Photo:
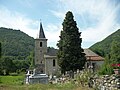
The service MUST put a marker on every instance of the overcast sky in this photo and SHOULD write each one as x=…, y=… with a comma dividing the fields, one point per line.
x=96, y=19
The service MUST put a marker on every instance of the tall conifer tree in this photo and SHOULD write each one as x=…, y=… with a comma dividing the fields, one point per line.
x=70, y=54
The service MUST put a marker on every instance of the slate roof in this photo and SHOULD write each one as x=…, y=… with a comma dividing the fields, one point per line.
x=90, y=55
x=51, y=51
x=41, y=32
x=88, y=52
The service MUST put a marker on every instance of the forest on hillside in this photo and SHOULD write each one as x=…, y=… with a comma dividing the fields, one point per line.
x=104, y=47
x=15, y=43
x=109, y=48
x=16, y=51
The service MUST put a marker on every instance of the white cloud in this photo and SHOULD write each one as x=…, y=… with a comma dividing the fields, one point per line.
x=60, y=15
x=52, y=33
x=103, y=13
x=16, y=20
x=107, y=25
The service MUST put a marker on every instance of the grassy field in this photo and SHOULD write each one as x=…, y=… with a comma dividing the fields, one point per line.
x=41, y=87
x=12, y=80
x=16, y=83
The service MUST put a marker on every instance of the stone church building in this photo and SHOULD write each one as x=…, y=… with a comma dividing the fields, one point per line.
x=46, y=59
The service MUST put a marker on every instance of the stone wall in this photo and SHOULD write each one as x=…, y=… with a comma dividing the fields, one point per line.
x=106, y=82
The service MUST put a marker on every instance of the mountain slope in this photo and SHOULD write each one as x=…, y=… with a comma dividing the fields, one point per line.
x=102, y=48
x=15, y=43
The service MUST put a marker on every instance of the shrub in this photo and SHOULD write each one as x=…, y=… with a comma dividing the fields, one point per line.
x=83, y=77
x=106, y=69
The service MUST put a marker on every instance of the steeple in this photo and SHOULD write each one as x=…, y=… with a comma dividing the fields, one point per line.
x=41, y=32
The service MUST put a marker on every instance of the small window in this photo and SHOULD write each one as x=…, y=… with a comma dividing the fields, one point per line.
x=53, y=63
x=40, y=44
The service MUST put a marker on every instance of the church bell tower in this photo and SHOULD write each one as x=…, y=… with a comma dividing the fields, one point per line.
x=40, y=50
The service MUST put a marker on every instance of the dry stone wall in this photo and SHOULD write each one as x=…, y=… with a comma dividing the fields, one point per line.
x=106, y=82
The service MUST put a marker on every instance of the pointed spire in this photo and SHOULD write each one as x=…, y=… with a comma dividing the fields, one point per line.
x=41, y=32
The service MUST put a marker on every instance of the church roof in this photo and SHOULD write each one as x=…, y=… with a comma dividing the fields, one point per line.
x=41, y=32
x=90, y=55
x=51, y=51
x=88, y=52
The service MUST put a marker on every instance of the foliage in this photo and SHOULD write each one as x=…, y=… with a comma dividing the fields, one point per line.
x=15, y=43
x=70, y=54
x=106, y=70
x=104, y=47
x=115, y=52
x=21, y=64
x=7, y=65
x=30, y=59
x=84, y=77
x=112, y=60
x=11, y=80
x=17, y=49
x=106, y=67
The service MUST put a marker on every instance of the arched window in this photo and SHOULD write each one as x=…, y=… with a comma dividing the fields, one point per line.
x=53, y=62
x=40, y=44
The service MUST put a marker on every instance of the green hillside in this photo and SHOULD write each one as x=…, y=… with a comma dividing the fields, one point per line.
x=15, y=43
x=102, y=48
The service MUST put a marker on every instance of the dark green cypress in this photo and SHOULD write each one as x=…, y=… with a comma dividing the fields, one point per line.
x=70, y=54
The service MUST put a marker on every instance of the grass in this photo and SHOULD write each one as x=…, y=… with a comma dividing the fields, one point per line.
x=16, y=83
x=43, y=87
x=11, y=80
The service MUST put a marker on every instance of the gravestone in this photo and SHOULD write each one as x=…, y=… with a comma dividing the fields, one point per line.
x=71, y=73
x=36, y=77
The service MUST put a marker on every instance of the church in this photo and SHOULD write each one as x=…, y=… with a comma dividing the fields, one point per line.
x=46, y=58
